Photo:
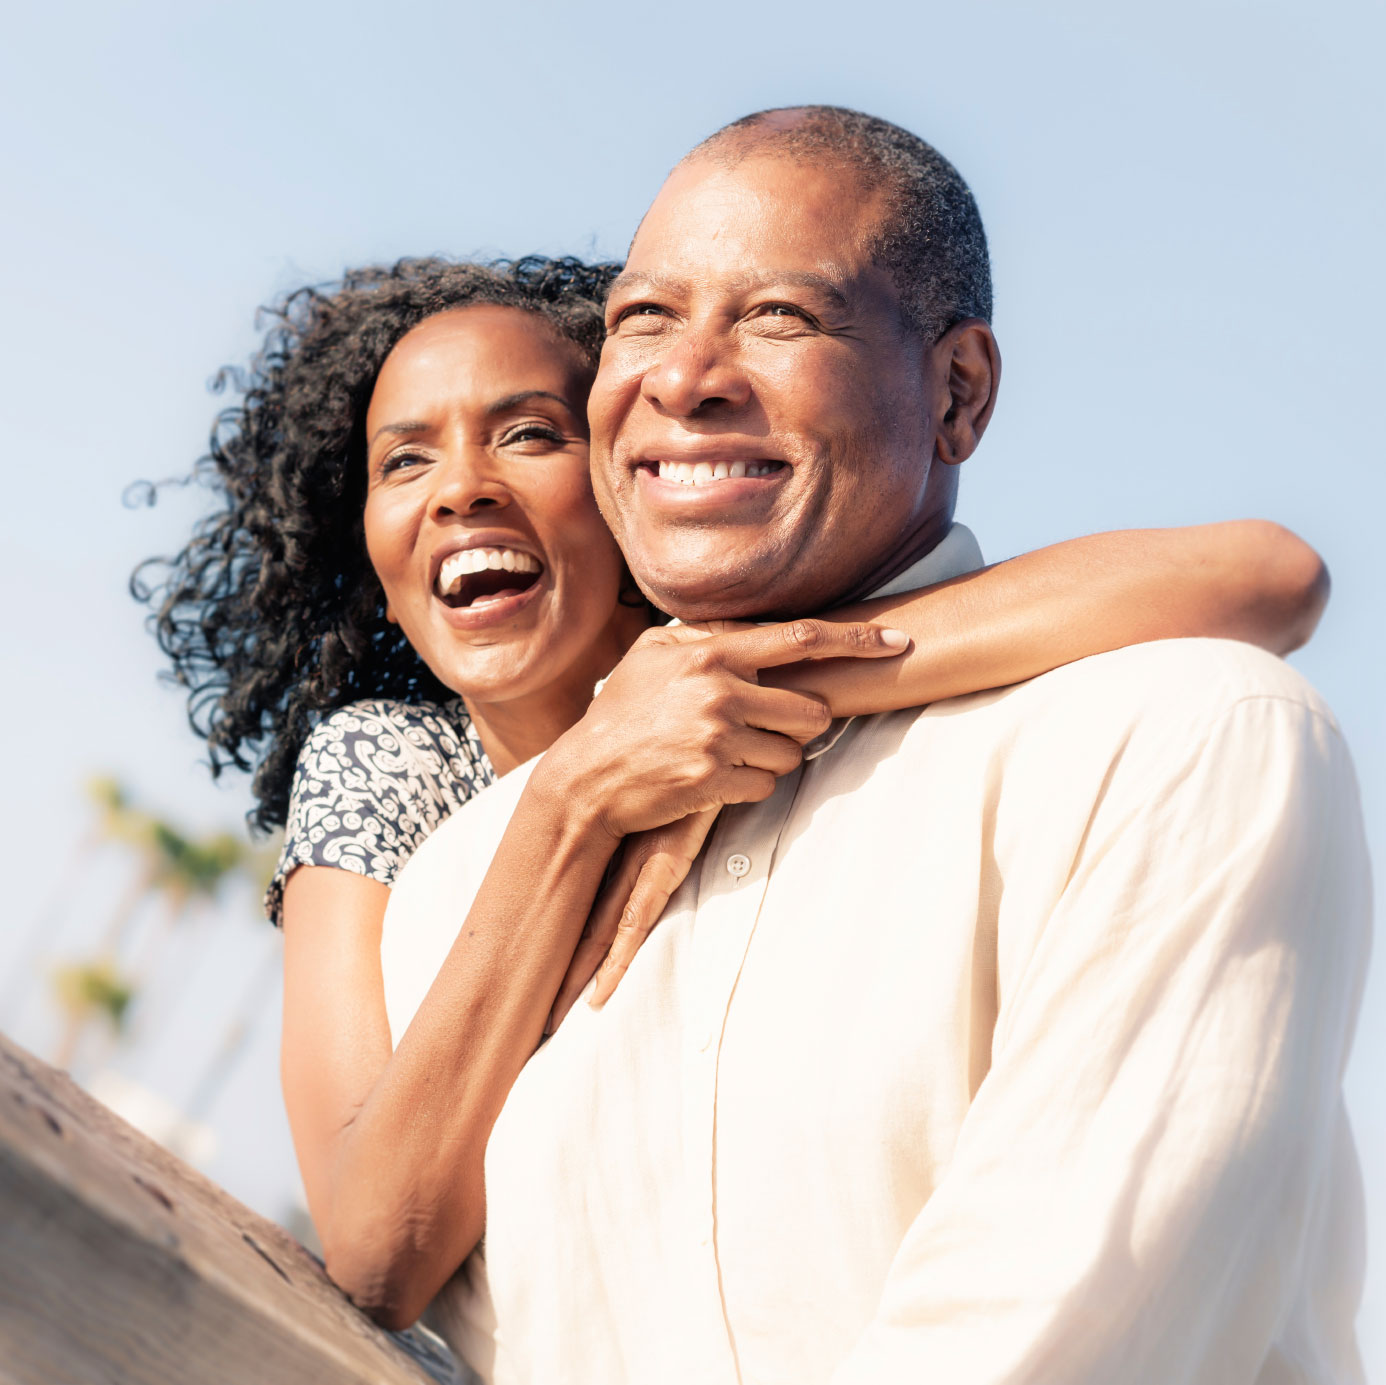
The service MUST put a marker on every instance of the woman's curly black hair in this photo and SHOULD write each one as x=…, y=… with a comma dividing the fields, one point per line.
x=272, y=614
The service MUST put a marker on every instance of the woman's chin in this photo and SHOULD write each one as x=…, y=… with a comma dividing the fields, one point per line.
x=503, y=671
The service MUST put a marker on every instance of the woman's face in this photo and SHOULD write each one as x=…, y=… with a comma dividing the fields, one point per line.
x=479, y=515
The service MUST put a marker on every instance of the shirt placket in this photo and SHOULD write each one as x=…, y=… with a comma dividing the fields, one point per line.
x=734, y=875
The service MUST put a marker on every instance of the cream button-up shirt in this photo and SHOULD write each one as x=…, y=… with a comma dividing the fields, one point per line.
x=1003, y=1043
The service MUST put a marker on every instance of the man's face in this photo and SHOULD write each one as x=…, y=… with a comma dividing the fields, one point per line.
x=762, y=421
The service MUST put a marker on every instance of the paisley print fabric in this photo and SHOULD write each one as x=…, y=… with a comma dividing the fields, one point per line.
x=372, y=781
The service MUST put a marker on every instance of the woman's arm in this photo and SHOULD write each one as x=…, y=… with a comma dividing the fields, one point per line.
x=1245, y=580
x=391, y=1145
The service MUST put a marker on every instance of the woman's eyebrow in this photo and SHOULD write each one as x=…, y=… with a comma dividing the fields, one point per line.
x=499, y=406
x=512, y=401
x=398, y=429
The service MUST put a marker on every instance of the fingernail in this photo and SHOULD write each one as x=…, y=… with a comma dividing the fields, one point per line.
x=894, y=639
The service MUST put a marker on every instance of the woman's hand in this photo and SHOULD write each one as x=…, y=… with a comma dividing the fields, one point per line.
x=651, y=867
x=683, y=724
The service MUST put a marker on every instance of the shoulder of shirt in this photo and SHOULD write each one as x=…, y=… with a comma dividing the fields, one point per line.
x=372, y=715
x=1185, y=680
x=1166, y=689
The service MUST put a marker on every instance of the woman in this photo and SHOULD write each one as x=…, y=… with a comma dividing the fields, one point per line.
x=409, y=591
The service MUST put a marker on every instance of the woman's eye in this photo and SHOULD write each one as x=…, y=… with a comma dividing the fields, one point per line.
x=398, y=460
x=533, y=432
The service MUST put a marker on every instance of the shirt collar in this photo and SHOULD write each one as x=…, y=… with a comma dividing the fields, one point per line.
x=955, y=554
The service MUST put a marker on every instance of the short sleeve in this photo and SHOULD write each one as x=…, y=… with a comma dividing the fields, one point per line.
x=372, y=781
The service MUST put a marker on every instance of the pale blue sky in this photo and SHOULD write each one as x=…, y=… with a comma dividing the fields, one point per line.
x=1186, y=212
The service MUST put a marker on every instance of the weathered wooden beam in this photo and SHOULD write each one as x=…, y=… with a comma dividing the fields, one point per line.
x=120, y=1265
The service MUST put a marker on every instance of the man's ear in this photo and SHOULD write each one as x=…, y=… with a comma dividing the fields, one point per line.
x=968, y=363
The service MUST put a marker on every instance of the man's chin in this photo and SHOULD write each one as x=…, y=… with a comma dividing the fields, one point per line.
x=724, y=586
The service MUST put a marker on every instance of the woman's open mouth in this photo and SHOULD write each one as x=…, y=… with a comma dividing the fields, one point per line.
x=476, y=578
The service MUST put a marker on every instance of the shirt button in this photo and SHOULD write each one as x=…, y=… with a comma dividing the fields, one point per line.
x=738, y=864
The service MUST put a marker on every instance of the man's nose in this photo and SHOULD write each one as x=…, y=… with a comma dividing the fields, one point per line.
x=467, y=484
x=698, y=374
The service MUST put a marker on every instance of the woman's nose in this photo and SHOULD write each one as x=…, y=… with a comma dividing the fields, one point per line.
x=468, y=484
x=698, y=374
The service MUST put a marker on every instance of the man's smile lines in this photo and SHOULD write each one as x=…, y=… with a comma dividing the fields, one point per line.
x=704, y=473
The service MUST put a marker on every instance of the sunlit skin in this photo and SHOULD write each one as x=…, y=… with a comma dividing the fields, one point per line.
x=477, y=436
x=751, y=323
x=476, y=432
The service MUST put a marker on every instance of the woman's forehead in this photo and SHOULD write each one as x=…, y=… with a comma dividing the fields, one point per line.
x=475, y=354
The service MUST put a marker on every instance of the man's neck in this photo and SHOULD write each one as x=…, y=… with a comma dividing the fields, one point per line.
x=913, y=545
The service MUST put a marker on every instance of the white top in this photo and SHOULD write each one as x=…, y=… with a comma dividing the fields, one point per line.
x=1003, y=1043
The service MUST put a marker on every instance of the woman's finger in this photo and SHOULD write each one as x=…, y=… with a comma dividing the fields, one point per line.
x=652, y=889
x=800, y=716
x=744, y=784
x=716, y=627
x=764, y=750
x=745, y=652
x=675, y=848
x=597, y=937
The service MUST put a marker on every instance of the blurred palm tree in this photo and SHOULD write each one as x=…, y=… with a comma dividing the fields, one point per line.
x=173, y=868
x=96, y=989
x=108, y=824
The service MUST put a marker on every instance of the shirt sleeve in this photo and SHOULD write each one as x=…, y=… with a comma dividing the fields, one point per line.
x=372, y=781
x=1139, y=1189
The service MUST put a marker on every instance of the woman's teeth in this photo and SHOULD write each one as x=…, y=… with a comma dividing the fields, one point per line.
x=702, y=473
x=458, y=566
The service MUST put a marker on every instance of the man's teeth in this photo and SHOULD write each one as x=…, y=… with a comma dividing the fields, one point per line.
x=459, y=565
x=702, y=473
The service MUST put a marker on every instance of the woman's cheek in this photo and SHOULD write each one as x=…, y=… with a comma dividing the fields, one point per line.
x=389, y=540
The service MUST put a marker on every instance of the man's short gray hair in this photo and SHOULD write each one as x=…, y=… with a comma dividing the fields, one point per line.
x=930, y=240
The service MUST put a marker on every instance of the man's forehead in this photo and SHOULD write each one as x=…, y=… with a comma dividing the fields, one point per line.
x=775, y=214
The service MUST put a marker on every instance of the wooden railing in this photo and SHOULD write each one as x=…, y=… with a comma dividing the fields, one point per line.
x=119, y=1263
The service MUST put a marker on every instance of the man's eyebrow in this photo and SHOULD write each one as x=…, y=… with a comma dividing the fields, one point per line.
x=636, y=281
x=804, y=279
x=629, y=279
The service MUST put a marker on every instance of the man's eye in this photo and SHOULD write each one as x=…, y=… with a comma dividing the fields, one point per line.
x=781, y=310
x=639, y=310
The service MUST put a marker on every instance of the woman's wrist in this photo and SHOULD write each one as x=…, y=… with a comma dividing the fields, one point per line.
x=562, y=791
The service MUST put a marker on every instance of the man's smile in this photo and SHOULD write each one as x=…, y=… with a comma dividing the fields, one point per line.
x=710, y=487
x=704, y=473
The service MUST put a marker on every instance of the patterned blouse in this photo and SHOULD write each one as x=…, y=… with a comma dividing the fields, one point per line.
x=373, y=780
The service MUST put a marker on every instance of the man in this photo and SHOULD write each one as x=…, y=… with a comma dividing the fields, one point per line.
x=1003, y=1041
